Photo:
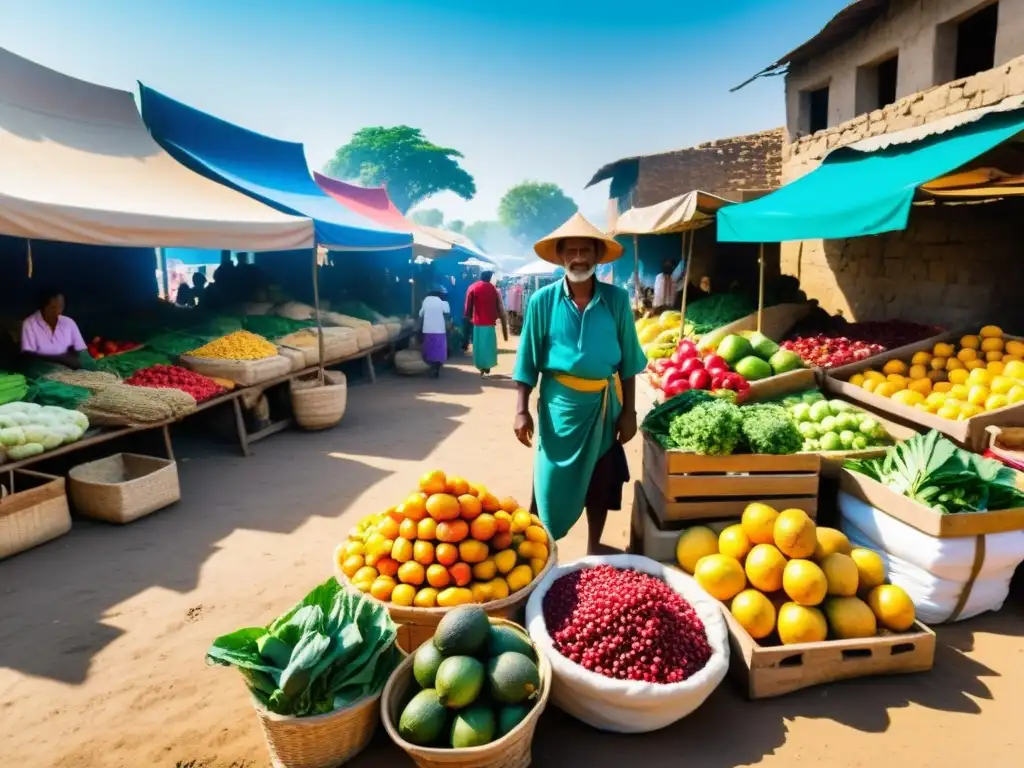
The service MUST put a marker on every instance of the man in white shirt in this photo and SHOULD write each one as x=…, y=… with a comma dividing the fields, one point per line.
x=434, y=316
x=663, y=288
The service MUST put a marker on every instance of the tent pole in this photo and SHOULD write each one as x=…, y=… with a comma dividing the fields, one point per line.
x=165, y=280
x=760, y=288
x=636, y=271
x=688, y=255
x=316, y=312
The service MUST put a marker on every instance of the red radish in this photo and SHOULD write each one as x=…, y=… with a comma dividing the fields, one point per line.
x=691, y=365
x=700, y=379
x=687, y=349
x=715, y=363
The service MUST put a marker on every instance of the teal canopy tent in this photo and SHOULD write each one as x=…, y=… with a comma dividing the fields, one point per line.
x=856, y=192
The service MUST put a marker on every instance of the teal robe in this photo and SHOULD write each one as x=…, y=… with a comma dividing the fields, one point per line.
x=574, y=428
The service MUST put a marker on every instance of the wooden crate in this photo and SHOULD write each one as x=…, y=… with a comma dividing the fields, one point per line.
x=656, y=540
x=684, y=486
x=766, y=671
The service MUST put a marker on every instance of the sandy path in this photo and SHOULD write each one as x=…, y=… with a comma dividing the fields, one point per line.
x=102, y=634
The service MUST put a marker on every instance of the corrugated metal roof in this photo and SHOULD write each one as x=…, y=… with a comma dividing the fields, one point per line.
x=845, y=25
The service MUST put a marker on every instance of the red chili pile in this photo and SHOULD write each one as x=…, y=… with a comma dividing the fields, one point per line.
x=175, y=377
x=625, y=625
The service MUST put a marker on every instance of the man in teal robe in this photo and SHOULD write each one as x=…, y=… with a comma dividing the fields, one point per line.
x=580, y=342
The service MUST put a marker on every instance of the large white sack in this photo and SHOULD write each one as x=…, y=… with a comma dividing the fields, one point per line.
x=933, y=571
x=626, y=706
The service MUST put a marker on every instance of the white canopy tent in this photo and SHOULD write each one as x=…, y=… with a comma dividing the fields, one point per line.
x=682, y=214
x=537, y=268
x=77, y=165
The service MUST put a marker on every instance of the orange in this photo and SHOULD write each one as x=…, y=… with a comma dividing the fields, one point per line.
x=364, y=574
x=461, y=574
x=413, y=507
x=403, y=594
x=425, y=598
x=426, y=529
x=478, y=490
x=387, y=566
x=382, y=588
x=473, y=551
x=423, y=552
x=389, y=529
x=521, y=521
x=457, y=486
x=402, y=550
x=446, y=554
x=443, y=506
x=411, y=573
x=394, y=513
x=501, y=541
x=537, y=533
x=508, y=504
x=352, y=565
x=469, y=506
x=504, y=521
x=452, y=532
x=407, y=530
x=434, y=482
x=484, y=527
x=490, y=502
x=438, y=576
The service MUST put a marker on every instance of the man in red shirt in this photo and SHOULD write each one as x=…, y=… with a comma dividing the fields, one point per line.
x=483, y=309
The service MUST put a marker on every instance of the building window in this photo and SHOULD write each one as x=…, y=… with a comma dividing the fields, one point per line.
x=876, y=84
x=976, y=42
x=814, y=110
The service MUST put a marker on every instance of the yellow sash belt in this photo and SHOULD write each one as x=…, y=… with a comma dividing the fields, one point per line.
x=592, y=385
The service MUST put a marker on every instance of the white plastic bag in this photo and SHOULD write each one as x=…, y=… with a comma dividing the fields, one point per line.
x=625, y=706
x=933, y=571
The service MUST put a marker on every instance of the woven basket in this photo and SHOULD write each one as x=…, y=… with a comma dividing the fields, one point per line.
x=123, y=487
x=379, y=334
x=416, y=625
x=321, y=741
x=32, y=511
x=245, y=373
x=409, y=362
x=296, y=357
x=316, y=405
x=510, y=751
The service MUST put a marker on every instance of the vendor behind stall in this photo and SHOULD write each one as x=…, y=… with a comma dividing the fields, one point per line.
x=49, y=335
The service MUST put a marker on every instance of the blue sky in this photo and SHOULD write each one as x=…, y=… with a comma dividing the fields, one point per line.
x=533, y=89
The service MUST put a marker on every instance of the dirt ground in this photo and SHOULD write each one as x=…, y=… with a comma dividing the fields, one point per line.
x=103, y=633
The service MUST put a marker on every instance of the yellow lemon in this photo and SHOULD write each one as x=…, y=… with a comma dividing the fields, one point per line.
x=924, y=386
x=795, y=533
x=991, y=332
x=870, y=373
x=857, y=379
x=694, y=543
x=764, y=568
x=936, y=399
x=758, y=523
x=887, y=389
x=720, y=576
x=800, y=624
x=948, y=411
x=938, y=364
x=1014, y=347
x=978, y=395
x=754, y=612
x=1016, y=394
x=403, y=594
x=850, y=618
x=993, y=344
x=734, y=542
x=908, y=397
x=870, y=385
x=953, y=364
x=870, y=567
x=894, y=366
x=523, y=574
x=942, y=386
x=966, y=355
x=970, y=342
x=1014, y=369
x=993, y=357
x=1013, y=358
x=995, y=402
x=943, y=350
x=958, y=376
x=921, y=358
x=841, y=574
x=804, y=582
x=1001, y=385
x=969, y=410
x=917, y=371
x=830, y=541
x=924, y=408
x=995, y=367
x=959, y=391
x=898, y=380
x=892, y=607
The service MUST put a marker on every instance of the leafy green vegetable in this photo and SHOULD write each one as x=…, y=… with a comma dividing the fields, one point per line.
x=709, y=429
x=325, y=653
x=933, y=471
x=659, y=418
x=769, y=428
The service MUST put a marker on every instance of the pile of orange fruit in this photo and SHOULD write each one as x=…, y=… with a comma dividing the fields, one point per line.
x=450, y=543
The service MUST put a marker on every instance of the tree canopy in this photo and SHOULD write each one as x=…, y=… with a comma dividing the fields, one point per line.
x=403, y=159
x=457, y=226
x=532, y=209
x=428, y=217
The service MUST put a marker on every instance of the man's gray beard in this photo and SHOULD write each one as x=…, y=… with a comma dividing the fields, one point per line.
x=580, y=277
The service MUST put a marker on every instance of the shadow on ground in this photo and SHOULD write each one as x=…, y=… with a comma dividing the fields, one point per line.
x=55, y=600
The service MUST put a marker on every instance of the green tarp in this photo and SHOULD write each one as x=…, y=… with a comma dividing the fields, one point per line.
x=855, y=193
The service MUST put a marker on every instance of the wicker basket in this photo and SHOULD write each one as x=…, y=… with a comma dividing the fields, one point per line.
x=32, y=511
x=510, y=751
x=123, y=487
x=296, y=357
x=417, y=625
x=316, y=405
x=321, y=741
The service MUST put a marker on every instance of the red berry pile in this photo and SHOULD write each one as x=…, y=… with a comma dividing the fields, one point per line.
x=832, y=351
x=625, y=625
x=174, y=377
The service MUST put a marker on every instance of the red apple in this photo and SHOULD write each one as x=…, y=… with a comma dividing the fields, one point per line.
x=700, y=379
x=715, y=363
x=687, y=348
x=691, y=365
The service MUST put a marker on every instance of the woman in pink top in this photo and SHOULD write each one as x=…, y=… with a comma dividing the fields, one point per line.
x=50, y=335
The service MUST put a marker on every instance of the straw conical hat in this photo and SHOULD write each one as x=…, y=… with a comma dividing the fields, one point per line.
x=576, y=226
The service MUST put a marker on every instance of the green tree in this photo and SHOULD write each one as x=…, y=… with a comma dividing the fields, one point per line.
x=457, y=226
x=402, y=158
x=428, y=217
x=532, y=209
x=493, y=237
